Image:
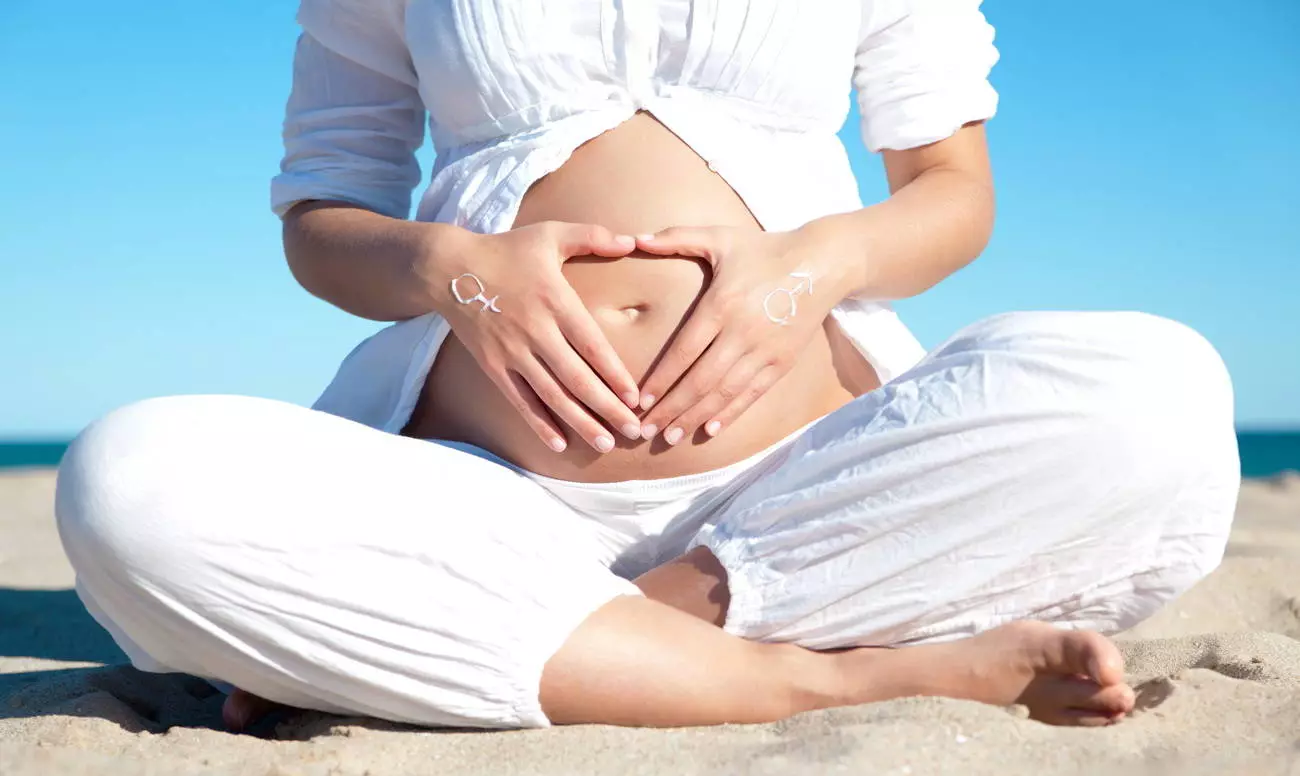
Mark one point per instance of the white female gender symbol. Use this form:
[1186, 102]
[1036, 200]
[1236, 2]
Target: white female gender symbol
[479, 296]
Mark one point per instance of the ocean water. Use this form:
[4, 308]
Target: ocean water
[1263, 453]
[16, 455]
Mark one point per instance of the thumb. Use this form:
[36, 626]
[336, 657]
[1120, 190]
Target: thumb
[700, 242]
[592, 240]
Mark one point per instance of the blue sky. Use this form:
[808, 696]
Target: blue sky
[1146, 159]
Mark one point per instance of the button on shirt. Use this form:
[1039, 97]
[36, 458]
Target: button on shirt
[509, 88]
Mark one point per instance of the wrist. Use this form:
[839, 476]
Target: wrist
[442, 255]
[833, 253]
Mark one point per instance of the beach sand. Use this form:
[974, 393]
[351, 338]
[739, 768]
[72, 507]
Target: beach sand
[1218, 675]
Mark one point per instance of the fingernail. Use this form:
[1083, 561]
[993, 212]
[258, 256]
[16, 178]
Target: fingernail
[713, 428]
[647, 400]
[645, 237]
[632, 430]
[649, 431]
[604, 444]
[625, 240]
[673, 435]
[558, 445]
[631, 399]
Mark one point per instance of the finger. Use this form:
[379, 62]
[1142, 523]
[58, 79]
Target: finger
[698, 241]
[565, 406]
[697, 384]
[690, 420]
[715, 369]
[585, 385]
[698, 333]
[525, 401]
[593, 240]
[748, 389]
[732, 379]
[585, 337]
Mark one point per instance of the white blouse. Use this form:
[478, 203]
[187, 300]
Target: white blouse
[758, 88]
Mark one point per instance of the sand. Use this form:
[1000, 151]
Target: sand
[1218, 674]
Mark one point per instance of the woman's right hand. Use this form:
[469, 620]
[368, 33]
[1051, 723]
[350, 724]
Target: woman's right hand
[536, 340]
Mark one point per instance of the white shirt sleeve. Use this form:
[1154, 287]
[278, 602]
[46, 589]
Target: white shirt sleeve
[922, 71]
[354, 118]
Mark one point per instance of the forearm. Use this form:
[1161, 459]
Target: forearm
[929, 229]
[367, 264]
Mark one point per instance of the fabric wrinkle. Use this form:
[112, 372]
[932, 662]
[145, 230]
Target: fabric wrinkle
[502, 114]
[909, 515]
[1074, 467]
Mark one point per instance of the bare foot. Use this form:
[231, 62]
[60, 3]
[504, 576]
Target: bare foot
[243, 709]
[1063, 677]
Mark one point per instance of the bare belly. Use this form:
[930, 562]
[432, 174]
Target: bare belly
[634, 179]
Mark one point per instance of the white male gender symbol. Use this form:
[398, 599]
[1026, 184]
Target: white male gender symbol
[804, 285]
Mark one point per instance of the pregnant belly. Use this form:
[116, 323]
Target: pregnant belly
[634, 179]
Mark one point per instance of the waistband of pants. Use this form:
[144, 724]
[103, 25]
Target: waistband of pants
[658, 490]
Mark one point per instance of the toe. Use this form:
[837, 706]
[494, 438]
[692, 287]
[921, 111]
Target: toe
[1085, 695]
[1081, 718]
[235, 712]
[1092, 655]
[1115, 699]
[1076, 701]
[242, 709]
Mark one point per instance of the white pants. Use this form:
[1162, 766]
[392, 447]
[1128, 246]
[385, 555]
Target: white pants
[1078, 468]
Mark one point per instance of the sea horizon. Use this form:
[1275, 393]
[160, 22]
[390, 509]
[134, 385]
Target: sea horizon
[1264, 452]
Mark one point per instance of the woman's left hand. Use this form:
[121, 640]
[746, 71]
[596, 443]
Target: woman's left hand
[765, 302]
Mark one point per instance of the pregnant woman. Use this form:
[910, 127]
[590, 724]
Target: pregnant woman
[647, 445]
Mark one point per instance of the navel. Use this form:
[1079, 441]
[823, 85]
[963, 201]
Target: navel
[632, 312]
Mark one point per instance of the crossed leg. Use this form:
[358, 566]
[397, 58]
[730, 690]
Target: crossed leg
[318, 563]
[639, 662]
[1077, 468]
